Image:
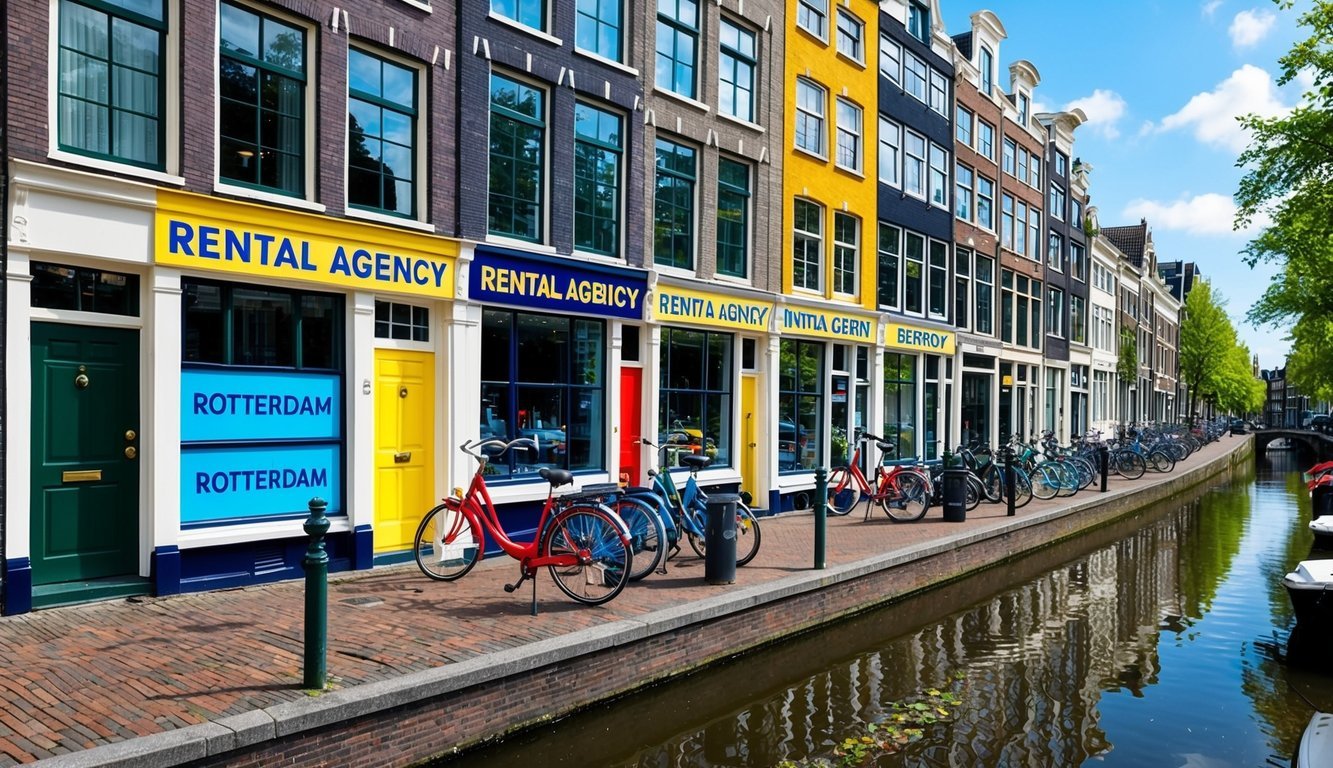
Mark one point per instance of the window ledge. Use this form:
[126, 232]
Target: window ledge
[812, 35]
[224, 188]
[110, 165]
[602, 258]
[850, 171]
[513, 242]
[600, 59]
[859, 63]
[683, 99]
[537, 33]
[756, 127]
[421, 6]
[667, 269]
[393, 221]
[810, 154]
[744, 282]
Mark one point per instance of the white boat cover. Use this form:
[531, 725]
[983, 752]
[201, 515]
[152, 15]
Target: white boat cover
[1317, 742]
[1312, 572]
[1322, 526]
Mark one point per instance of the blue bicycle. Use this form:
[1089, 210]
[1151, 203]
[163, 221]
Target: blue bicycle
[685, 511]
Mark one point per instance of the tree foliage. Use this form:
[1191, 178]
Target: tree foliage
[1127, 366]
[1213, 365]
[1289, 184]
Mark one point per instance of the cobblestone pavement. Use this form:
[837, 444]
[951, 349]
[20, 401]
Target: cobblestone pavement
[81, 676]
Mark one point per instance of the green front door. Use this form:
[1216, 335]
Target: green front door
[85, 442]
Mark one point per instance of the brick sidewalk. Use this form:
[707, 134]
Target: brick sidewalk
[82, 676]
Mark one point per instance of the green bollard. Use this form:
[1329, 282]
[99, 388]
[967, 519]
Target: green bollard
[316, 563]
[821, 514]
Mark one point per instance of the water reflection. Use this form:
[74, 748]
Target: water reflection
[1156, 641]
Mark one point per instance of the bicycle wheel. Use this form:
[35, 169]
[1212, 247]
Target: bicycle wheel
[1022, 488]
[647, 534]
[1086, 472]
[448, 542]
[1130, 465]
[1045, 481]
[992, 482]
[1160, 461]
[843, 493]
[747, 534]
[604, 560]
[910, 498]
[695, 527]
[974, 492]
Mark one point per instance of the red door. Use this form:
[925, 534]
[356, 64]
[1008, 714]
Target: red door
[631, 422]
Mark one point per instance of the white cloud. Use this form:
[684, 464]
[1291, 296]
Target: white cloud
[1249, 27]
[1210, 7]
[1206, 214]
[1104, 109]
[1211, 116]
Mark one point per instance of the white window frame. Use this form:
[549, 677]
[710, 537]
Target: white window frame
[890, 152]
[958, 126]
[939, 93]
[1055, 204]
[917, 161]
[1034, 170]
[938, 170]
[987, 152]
[857, 42]
[850, 130]
[890, 59]
[912, 76]
[986, 225]
[813, 7]
[964, 192]
[817, 266]
[1055, 242]
[848, 252]
[818, 118]
[986, 66]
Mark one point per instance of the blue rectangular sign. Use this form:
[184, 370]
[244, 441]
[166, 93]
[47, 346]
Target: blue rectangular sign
[549, 283]
[219, 404]
[242, 482]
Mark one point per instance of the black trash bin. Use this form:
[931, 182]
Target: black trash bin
[954, 481]
[1321, 501]
[720, 539]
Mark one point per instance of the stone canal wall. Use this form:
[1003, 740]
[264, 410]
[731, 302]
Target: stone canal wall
[428, 714]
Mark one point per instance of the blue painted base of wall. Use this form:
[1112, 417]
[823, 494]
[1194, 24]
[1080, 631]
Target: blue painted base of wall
[165, 568]
[17, 596]
[260, 562]
[363, 548]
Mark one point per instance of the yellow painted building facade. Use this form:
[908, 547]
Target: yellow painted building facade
[829, 179]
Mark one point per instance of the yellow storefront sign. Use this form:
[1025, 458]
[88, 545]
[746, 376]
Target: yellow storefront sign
[830, 325]
[721, 311]
[241, 239]
[922, 339]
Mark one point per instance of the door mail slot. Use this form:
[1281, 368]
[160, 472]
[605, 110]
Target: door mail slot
[81, 476]
[402, 458]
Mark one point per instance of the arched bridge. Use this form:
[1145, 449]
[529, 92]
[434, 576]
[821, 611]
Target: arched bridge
[1319, 444]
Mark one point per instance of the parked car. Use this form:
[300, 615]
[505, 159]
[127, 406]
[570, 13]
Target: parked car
[1238, 427]
[1320, 422]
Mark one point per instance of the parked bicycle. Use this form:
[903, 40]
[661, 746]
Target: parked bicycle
[687, 509]
[584, 545]
[902, 491]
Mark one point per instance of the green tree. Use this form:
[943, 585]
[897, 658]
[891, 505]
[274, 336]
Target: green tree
[1289, 182]
[1127, 366]
[1212, 365]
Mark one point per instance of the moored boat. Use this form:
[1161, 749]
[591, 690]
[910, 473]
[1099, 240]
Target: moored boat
[1322, 528]
[1316, 746]
[1310, 588]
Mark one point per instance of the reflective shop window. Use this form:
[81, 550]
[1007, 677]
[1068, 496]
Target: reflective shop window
[242, 325]
[900, 404]
[695, 408]
[543, 377]
[57, 286]
[800, 405]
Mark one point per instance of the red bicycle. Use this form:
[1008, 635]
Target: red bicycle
[902, 491]
[586, 547]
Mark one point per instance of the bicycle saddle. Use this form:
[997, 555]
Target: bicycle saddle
[695, 461]
[886, 446]
[556, 477]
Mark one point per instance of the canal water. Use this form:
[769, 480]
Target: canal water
[1159, 641]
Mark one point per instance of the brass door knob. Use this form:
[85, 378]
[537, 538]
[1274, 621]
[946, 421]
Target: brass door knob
[130, 452]
[130, 434]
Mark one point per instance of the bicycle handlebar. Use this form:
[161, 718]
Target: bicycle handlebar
[471, 448]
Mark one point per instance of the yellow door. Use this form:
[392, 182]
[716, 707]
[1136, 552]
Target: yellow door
[404, 445]
[749, 439]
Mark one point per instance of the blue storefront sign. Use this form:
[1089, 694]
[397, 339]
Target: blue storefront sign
[546, 282]
[257, 444]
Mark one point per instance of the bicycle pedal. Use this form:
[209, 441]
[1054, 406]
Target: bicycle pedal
[511, 587]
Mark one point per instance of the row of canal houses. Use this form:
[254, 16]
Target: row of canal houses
[255, 253]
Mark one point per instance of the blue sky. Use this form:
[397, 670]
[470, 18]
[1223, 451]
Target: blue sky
[1161, 82]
